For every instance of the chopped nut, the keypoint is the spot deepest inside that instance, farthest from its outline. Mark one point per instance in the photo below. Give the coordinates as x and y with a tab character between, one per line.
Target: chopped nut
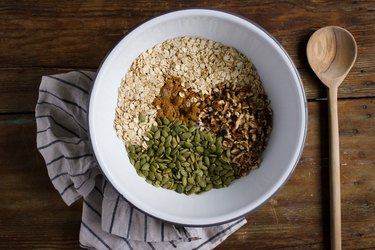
240	122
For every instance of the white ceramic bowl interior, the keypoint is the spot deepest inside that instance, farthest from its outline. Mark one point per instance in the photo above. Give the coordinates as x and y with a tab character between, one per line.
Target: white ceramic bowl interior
281	82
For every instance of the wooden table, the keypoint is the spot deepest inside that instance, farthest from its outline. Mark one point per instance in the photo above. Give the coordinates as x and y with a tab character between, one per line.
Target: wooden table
48	37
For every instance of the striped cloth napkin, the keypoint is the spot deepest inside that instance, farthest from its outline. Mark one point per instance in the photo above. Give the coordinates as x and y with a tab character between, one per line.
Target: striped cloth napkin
108	220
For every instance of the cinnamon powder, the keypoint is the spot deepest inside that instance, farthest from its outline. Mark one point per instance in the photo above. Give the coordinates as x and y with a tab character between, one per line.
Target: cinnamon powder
174	101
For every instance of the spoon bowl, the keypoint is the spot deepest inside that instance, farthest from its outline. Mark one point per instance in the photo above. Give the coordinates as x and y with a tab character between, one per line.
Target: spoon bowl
331	52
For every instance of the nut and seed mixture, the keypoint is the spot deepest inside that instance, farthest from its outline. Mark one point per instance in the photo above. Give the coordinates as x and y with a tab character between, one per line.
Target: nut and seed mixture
200	85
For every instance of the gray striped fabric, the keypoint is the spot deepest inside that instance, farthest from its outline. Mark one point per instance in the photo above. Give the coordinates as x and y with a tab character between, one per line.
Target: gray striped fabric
108	220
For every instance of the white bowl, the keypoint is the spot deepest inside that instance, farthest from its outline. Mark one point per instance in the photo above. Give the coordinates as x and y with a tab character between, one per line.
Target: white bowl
280	80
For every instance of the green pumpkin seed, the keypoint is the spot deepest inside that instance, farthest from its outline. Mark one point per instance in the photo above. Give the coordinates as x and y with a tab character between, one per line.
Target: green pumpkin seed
209	138
160	150
157	135
184	181
206	160
137	165
153	167
167	171
192	129
165	178
183	172
139	172
181	158
165	132
131	149
156	184
177	129
151	176
191	180
154	129
179	188
212	148
200	149
219	151
202	183
174	143
184	128
186	135
171	165
192	157
227	153
141	117
218	168
159	122
168	139
185	164
167	184
218	182
200	172
197	138
174	151
227	182
168	151
184	150
132	161
145	173
158	176
149	135
223	172
145	166
188	187
186	154
173	186
188	145
178	175
166	121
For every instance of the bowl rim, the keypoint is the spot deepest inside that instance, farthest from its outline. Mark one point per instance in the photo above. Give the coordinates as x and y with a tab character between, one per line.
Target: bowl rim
300	85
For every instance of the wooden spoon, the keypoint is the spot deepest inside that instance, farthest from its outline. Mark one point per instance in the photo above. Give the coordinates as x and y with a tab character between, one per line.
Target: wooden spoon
331	52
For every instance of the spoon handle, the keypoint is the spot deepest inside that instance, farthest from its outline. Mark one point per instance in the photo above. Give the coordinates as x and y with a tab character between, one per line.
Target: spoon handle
335	200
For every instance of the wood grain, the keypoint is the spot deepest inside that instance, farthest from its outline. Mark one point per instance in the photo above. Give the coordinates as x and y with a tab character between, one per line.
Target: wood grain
52	37
32	213
49	37
19	86
56	33
297	217
334	170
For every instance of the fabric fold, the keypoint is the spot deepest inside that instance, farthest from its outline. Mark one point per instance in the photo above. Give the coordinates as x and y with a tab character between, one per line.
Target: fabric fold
109	221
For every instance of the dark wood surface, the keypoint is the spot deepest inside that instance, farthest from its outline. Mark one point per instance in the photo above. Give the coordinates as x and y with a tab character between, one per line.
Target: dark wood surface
48	37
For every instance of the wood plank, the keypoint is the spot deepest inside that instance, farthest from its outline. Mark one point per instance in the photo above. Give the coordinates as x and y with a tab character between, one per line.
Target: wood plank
32	46
33	214
19	86
93	28
50	37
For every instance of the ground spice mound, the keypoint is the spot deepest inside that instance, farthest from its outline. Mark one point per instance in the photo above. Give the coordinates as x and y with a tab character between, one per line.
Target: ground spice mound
174	101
